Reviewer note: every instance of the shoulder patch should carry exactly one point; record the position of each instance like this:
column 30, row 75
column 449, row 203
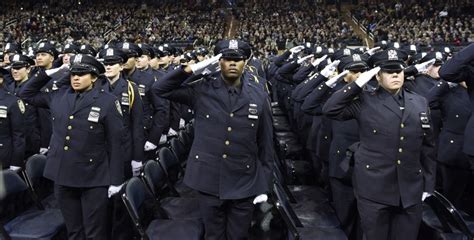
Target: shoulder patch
column 119, row 108
column 21, row 106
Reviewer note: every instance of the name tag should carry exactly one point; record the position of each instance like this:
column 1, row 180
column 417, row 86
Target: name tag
column 253, row 116
column 125, row 100
column 94, row 115
column 425, row 121
column 141, row 90
column 3, row 111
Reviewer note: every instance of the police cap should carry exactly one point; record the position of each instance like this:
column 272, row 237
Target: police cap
column 46, row 47
column 390, row 59
column 113, row 56
column 440, row 57
column 131, row 49
column 12, row 48
column 84, row 63
column 355, row 62
column 19, row 61
column 147, row 50
column 71, row 48
column 87, row 49
column 233, row 49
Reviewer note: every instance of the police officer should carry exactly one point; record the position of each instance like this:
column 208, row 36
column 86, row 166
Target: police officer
column 230, row 160
column 12, row 135
column 69, row 51
column 460, row 69
column 394, row 164
column 21, row 66
column 85, row 159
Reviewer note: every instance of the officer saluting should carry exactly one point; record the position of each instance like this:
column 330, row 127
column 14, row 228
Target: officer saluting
column 394, row 164
column 231, row 156
column 85, row 157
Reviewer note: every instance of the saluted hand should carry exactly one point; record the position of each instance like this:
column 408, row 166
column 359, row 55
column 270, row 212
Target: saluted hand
column 332, row 82
column 365, row 77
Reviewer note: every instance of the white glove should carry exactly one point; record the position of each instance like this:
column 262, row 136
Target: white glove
column 172, row 132
column 201, row 66
column 163, row 139
column 424, row 196
column 181, row 123
column 114, row 190
column 332, row 82
column 422, row 67
column 297, row 49
column 260, row 199
column 150, row 146
column 301, row 60
column 15, row 168
column 57, row 71
column 319, row 60
column 452, row 85
column 330, row 68
column 365, row 77
column 372, row 50
column 136, row 167
column 43, row 151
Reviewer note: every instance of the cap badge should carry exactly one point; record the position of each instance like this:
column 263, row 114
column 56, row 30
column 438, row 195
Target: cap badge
column 356, row 58
column 392, row 55
column 16, row 58
column 233, row 44
column 110, row 52
column 78, row 58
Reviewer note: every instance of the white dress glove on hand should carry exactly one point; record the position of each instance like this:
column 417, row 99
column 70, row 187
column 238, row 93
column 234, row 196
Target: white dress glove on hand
column 57, row 71
column 372, row 50
column 201, row 66
column 365, row 77
column 319, row 60
column 332, row 82
column 260, row 199
column 424, row 196
column 172, row 132
column 136, row 167
column 150, row 146
column 181, row 123
column 301, row 60
column 114, row 190
column 422, row 67
column 297, row 49
column 163, row 139
column 15, row 168
column 43, row 151
column 330, row 68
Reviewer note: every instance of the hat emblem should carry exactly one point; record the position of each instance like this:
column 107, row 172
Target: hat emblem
column 78, row 58
column 83, row 47
column 347, row 52
column 446, row 49
column 233, row 44
column 16, row 58
column 308, row 44
column 41, row 45
column 439, row 56
column 110, row 52
column 423, row 54
column 412, row 47
column 126, row 46
column 67, row 46
column 392, row 55
column 7, row 46
column 396, row 45
column 319, row 49
column 356, row 58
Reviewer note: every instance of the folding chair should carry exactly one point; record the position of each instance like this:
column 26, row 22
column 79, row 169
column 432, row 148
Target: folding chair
column 163, row 229
column 41, row 187
column 35, row 224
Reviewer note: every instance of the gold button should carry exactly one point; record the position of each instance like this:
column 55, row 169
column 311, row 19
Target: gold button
column 402, row 137
column 229, row 129
column 399, row 162
column 207, row 116
column 457, row 116
column 90, row 160
column 400, row 150
column 224, row 155
column 402, row 125
column 231, row 114
column 67, row 138
column 325, row 137
column 71, row 117
column 227, row 142
column 197, row 156
column 419, row 171
column 367, row 166
column 349, row 87
column 252, row 125
column 452, row 141
column 319, row 88
column 66, row 148
column 69, row 127
column 375, row 131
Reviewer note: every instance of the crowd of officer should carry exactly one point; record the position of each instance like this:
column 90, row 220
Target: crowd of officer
column 405, row 113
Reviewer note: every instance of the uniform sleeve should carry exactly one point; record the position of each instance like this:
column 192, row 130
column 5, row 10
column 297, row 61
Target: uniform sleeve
column 18, row 134
column 459, row 68
column 342, row 105
column 286, row 72
column 170, row 87
column 138, row 131
column 114, row 127
column 436, row 94
column 161, row 118
column 265, row 141
column 31, row 92
column 305, row 88
column 428, row 159
column 302, row 73
column 314, row 102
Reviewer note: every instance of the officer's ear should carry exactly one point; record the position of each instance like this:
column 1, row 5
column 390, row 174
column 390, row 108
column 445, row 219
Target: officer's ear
column 28, row 70
column 378, row 76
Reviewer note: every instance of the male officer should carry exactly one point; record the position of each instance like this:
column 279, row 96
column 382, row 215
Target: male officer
column 394, row 164
column 231, row 156
column 20, row 69
column 69, row 51
column 12, row 135
column 459, row 69
column 85, row 159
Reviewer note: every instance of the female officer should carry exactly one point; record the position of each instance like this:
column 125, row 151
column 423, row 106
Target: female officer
column 85, row 156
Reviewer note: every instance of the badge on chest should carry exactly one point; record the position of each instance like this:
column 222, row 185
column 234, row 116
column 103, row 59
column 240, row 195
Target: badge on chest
column 425, row 121
column 3, row 111
column 253, row 112
column 141, row 90
column 94, row 115
column 125, row 100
